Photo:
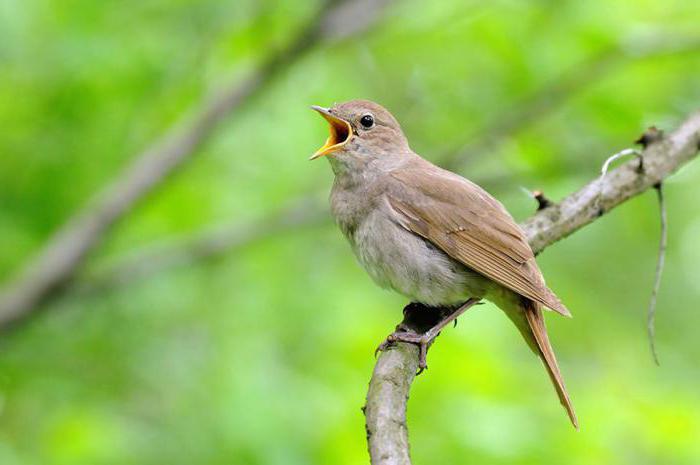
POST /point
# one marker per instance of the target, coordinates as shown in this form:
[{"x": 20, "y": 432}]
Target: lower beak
[{"x": 340, "y": 132}]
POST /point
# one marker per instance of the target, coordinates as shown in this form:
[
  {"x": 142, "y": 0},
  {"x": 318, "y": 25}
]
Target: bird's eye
[{"x": 367, "y": 121}]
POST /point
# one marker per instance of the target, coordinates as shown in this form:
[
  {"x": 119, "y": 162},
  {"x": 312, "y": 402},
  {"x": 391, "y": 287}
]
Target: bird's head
[{"x": 360, "y": 132}]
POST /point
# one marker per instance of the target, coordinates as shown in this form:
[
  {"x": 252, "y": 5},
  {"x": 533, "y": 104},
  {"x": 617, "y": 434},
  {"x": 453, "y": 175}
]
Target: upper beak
[{"x": 340, "y": 132}]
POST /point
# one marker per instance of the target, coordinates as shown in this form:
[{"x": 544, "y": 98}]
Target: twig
[
  {"x": 66, "y": 250},
  {"x": 663, "y": 239},
  {"x": 542, "y": 229},
  {"x": 541, "y": 199},
  {"x": 650, "y": 136},
  {"x": 602, "y": 195}
]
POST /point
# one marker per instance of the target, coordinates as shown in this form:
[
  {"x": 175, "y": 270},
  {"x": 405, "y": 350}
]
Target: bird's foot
[
  {"x": 421, "y": 325},
  {"x": 402, "y": 334}
]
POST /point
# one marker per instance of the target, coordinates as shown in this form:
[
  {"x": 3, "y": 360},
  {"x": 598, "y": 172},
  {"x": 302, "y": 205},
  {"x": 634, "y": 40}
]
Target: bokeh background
[{"x": 258, "y": 349}]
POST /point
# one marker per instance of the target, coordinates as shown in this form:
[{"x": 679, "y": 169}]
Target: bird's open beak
[{"x": 340, "y": 133}]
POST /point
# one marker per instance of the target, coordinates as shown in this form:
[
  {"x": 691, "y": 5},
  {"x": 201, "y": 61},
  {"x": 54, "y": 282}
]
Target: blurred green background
[{"x": 261, "y": 354}]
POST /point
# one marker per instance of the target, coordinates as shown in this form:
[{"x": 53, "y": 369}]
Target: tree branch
[
  {"x": 598, "y": 197},
  {"x": 395, "y": 368},
  {"x": 204, "y": 245},
  {"x": 58, "y": 262},
  {"x": 385, "y": 409}
]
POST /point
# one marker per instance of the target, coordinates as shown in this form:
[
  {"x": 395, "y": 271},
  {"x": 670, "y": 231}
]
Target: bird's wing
[{"x": 470, "y": 226}]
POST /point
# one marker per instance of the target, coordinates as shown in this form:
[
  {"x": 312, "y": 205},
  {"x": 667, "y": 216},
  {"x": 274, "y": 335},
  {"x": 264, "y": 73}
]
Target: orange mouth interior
[{"x": 340, "y": 132}]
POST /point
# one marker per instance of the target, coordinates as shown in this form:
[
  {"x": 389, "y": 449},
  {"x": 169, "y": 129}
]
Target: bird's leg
[
  {"x": 433, "y": 332},
  {"x": 421, "y": 325},
  {"x": 417, "y": 319}
]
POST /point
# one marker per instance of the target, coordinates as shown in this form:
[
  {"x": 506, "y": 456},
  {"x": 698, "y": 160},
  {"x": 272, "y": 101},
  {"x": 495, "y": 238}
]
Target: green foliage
[{"x": 262, "y": 356}]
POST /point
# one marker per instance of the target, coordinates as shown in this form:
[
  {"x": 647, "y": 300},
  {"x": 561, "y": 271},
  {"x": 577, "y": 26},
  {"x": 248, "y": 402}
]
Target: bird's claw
[
  {"x": 421, "y": 340},
  {"x": 388, "y": 342}
]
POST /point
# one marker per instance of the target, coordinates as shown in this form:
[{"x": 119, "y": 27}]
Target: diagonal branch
[
  {"x": 598, "y": 197},
  {"x": 60, "y": 259},
  {"x": 395, "y": 368},
  {"x": 204, "y": 245}
]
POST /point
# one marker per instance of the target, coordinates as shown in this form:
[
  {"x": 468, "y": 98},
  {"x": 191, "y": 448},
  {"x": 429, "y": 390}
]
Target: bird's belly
[{"x": 400, "y": 260}]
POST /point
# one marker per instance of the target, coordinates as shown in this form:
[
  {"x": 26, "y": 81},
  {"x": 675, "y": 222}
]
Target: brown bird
[{"x": 430, "y": 234}]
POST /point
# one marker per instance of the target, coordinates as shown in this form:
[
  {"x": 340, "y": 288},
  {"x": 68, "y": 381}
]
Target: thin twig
[
  {"x": 539, "y": 197},
  {"x": 663, "y": 240},
  {"x": 650, "y": 136}
]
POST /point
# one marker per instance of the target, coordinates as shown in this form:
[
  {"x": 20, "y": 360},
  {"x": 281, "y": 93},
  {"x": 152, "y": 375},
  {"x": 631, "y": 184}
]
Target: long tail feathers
[{"x": 535, "y": 319}]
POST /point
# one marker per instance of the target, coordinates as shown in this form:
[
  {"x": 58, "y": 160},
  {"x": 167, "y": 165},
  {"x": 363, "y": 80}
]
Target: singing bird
[{"x": 430, "y": 234}]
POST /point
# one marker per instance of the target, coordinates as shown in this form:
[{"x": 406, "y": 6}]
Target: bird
[{"x": 430, "y": 234}]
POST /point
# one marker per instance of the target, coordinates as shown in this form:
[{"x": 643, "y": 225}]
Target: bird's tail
[{"x": 535, "y": 334}]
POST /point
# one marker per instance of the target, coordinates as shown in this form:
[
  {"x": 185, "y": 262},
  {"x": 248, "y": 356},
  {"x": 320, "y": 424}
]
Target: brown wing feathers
[{"x": 473, "y": 228}]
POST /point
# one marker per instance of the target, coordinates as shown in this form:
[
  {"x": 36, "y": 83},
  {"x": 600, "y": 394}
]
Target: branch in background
[
  {"x": 204, "y": 245},
  {"x": 60, "y": 259},
  {"x": 145, "y": 262},
  {"x": 395, "y": 367}
]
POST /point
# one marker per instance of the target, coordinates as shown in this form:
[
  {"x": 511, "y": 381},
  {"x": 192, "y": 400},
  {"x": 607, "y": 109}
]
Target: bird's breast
[{"x": 400, "y": 260}]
